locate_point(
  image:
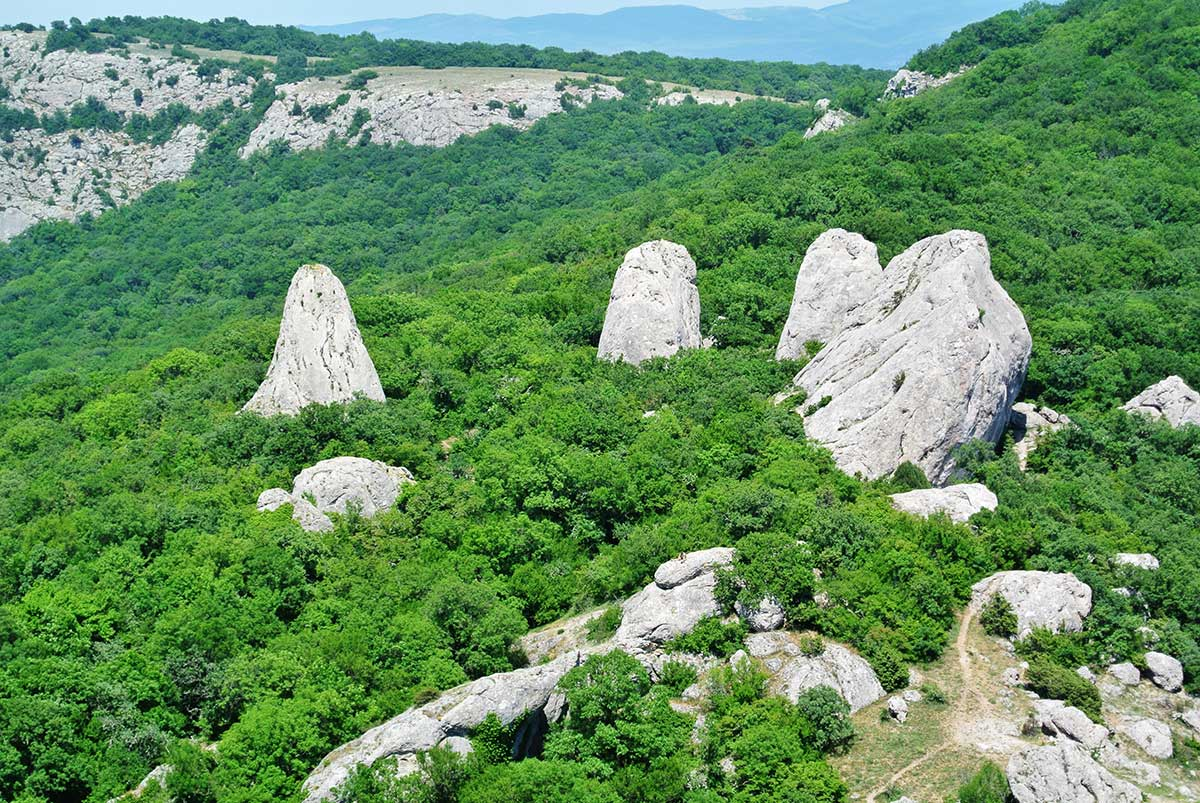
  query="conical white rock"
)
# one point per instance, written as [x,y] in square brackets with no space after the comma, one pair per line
[654,307]
[319,355]
[1170,399]
[834,290]
[939,365]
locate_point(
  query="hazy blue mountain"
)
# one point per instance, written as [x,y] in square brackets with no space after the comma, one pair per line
[872,33]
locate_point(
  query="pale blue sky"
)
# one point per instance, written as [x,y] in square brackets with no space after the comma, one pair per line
[323,12]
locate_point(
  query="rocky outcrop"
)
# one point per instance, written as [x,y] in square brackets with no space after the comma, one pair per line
[335,486]
[768,614]
[1171,400]
[898,708]
[1057,602]
[319,355]
[1028,423]
[1138,560]
[834,288]
[909,83]
[938,364]
[958,502]
[1152,736]
[1166,672]
[413,105]
[792,672]
[1065,772]
[680,596]
[654,307]
[831,120]
[510,696]
[1056,718]
[1126,673]
[66,175]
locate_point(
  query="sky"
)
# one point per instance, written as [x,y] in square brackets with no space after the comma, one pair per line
[323,12]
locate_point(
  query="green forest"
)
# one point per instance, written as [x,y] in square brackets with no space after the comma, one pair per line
[148,609]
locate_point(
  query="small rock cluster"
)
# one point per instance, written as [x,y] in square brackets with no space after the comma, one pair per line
[1170,400]
[336,486]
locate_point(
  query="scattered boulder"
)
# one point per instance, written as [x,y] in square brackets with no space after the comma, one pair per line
[1055,718]
[680,596]
[1170,399]
[1011,676]
[509,695]
[831,120]
[938,364]
[335,484]
[654,307]
[834,287]
[1138,560]
[1058,602]
[898,708]
[1166,672]
[1064,772]
[768,614]
[1028,424]
[1152,736]
[912,696]
[793,672]
[319,355]
[1191,717]
[1126,673]
[959,502]
[908,83]
[1087,674]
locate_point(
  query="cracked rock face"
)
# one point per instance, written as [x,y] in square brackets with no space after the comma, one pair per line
[1171,400]
[455,713]
[1065,772]
[834,288]
[937,362]
[1028,424]
[654,307]
[908,83]
[680,596]
[319,356]
[831,120]
[1152,736]
[1055,717]
[1166,672]
[768,614]
[1057,602]
[958,502]
[792,672]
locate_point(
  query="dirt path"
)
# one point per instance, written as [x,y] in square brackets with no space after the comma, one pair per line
[965,710]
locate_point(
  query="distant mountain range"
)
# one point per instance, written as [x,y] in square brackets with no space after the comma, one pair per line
[870,33]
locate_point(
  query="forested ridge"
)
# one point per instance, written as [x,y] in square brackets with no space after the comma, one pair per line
[148,604]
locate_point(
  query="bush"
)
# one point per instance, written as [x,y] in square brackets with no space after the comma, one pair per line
[604,626]
[933,693]
[710,637]
[910,477]
[811,645]
[987,786]
[998,618]
[676,676]
[1056,682]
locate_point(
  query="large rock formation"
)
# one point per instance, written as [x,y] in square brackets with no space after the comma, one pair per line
[831,120]
[959,502]
[510,696]
[792,672]
[1064,772]
[938,363]
[834,290]
[333,486]
[908,83]
[680,596]
[319,356]
[1057,602]
[414,105]
[1028,424]
[1171,400]
[654,308]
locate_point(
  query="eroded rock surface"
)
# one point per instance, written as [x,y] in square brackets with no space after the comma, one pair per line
[958,502]
[908,83]
[319,356]
[792,672]
[1064,772]
[1029,423]
[831,120]
[509,696]
[1165,671]
[938,364]
[304,512]
[654,307]
[1126,673]
[671,606]
[1055,718]
[336,485]
[834,290]
[768,614]
[1171,400]
[1152,736]
[1057,602]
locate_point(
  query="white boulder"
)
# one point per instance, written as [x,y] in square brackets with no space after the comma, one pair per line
[1029,423]
[1165,671]
[958,502]
[1064,772]
[690,565]
[1055,718]
[793,673]
[1170,399]
[898,708]
[1086,673]
[319,356]
[1138,560]
[1152,736]
[830,120]
[938,365]
[669,607]
[654,307]
[834,289]
[768,614]
[1126,673]
[1058,602]
[908,83]
[1191,717]
[332,486]
[303,511]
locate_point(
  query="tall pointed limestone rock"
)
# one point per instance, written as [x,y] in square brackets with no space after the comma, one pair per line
[319,356]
